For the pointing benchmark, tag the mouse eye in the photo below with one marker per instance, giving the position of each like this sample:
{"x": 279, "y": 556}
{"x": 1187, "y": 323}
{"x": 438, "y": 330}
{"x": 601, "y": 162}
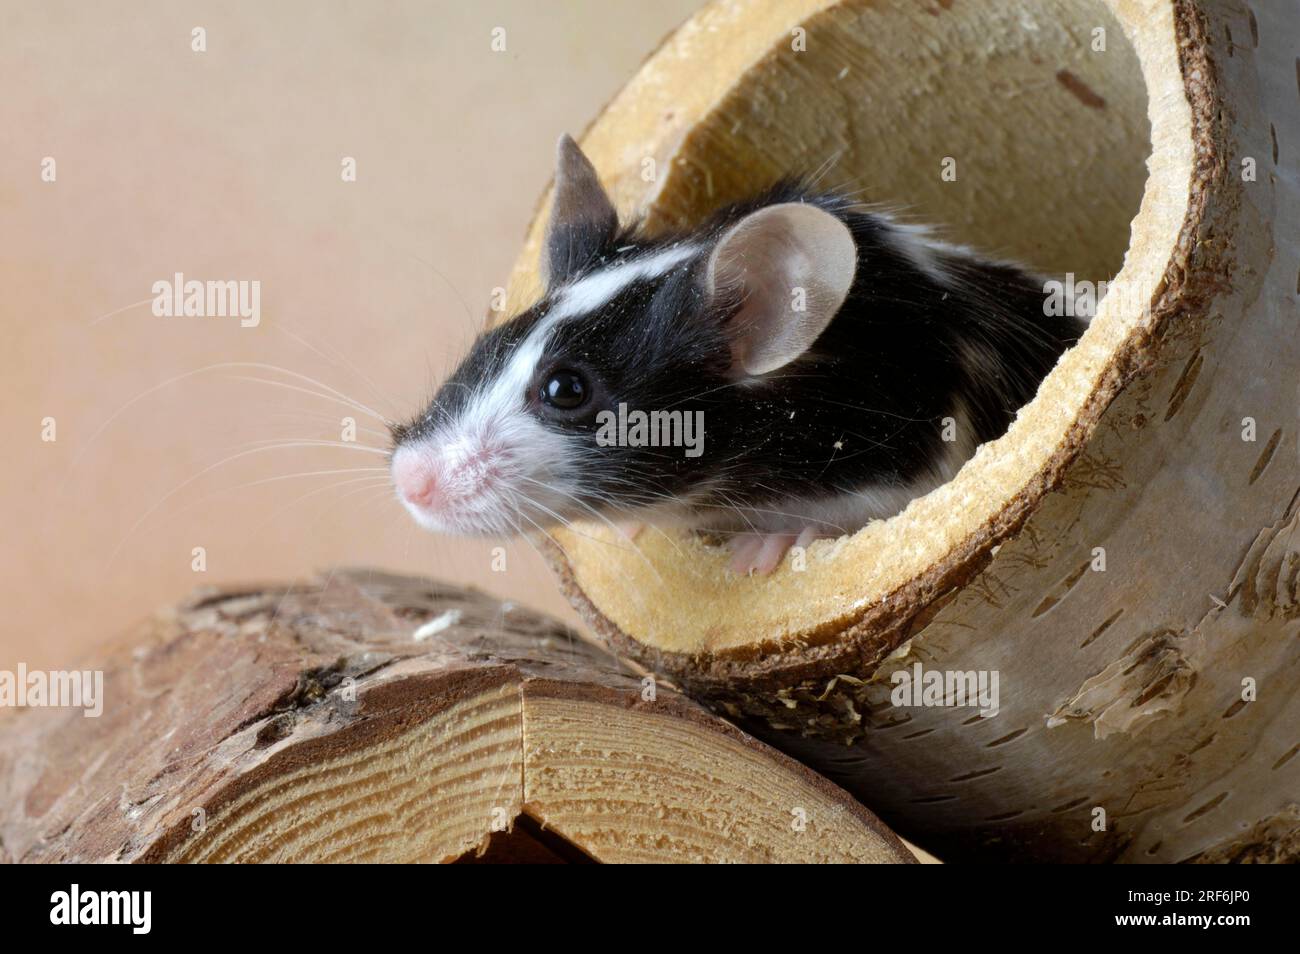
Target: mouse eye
{"x": 565, "y": 390}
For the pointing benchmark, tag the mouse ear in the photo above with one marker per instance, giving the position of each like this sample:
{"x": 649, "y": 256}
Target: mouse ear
{"x": 583, "y": 220}
{"x": 790, "y": 266}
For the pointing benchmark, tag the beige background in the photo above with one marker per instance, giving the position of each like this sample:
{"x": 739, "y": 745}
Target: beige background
{"x": 226, "y": 165}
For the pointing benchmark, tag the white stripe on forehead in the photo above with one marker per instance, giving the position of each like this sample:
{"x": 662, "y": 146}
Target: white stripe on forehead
{"x": 499, "y": 397}
{"x": 599, "y": 288}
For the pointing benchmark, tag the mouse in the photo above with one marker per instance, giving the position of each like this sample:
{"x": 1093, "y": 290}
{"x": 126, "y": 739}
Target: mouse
{"x": 795, "y": 366}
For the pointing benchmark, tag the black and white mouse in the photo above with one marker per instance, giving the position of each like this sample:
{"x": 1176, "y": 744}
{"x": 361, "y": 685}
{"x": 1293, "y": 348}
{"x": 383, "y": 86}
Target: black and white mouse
{"x": 793, "y": 368}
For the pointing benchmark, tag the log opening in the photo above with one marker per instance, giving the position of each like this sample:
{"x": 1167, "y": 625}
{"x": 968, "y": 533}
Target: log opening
{"x": 1042, "y": 108}
{"x": 1127, "y": 557}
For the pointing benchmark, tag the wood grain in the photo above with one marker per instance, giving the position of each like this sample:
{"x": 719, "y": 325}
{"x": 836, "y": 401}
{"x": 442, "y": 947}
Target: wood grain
{"x": 371, "y": 717}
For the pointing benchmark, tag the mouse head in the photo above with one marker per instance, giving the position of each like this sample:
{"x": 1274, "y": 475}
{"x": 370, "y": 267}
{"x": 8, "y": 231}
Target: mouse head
{"x": 622, "y": 392}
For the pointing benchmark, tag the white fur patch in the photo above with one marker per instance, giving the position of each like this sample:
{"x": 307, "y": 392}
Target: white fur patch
{"x": 506, "y": 394}
{"x": 496, "y": 462}
{"x": 918, "y": 245}
{"x": 599, "y": 288}
{"x": 914, "y": 243}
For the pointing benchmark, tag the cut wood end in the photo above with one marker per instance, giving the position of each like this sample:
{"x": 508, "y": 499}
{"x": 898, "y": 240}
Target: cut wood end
{"x": 310, "y": 724}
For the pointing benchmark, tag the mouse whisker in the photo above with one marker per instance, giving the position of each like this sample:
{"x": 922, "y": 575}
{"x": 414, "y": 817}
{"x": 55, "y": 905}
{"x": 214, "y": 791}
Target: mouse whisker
{"x": 323, "y": 442}
{"x": 527, "y": 538}
{"x": 339, "y": 361}
{"x": 595, "y": 512}
{"x": 313, "y": 442}
{"x": 352, "y": 402}
{"x": 206, "y": 470}
{"x": 371, "y": 481}
{"x": 632, "y": 588}
{"x": 346, "y": 402}
{"x": 317, "y": 417}
{"x": 221, "y": 365}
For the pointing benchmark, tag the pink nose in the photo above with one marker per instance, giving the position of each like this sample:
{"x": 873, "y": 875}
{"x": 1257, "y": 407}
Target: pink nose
{"x": 415, "y": 478}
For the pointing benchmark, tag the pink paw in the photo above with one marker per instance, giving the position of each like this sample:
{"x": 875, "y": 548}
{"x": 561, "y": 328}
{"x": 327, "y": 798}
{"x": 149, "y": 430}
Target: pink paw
{"x": 761, "y": 553}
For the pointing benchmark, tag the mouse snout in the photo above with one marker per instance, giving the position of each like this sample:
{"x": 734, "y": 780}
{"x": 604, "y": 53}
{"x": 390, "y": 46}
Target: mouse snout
{"x": 460, "y": 483}
{"x": 416, "y": 477}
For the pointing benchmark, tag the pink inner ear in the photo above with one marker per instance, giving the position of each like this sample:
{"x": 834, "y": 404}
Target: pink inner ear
{"x": 748, "y": 328}
{"x": 767, "y": 257}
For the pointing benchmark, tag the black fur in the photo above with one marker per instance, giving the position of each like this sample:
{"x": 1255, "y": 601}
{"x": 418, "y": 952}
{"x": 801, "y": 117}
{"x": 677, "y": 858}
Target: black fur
{"x": 864, "y": 406}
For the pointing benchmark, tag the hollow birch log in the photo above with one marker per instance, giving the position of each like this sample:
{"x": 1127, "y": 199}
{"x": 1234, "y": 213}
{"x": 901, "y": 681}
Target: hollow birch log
{"x": 1124, "y": 559}
{"x": 370, "y": 717}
